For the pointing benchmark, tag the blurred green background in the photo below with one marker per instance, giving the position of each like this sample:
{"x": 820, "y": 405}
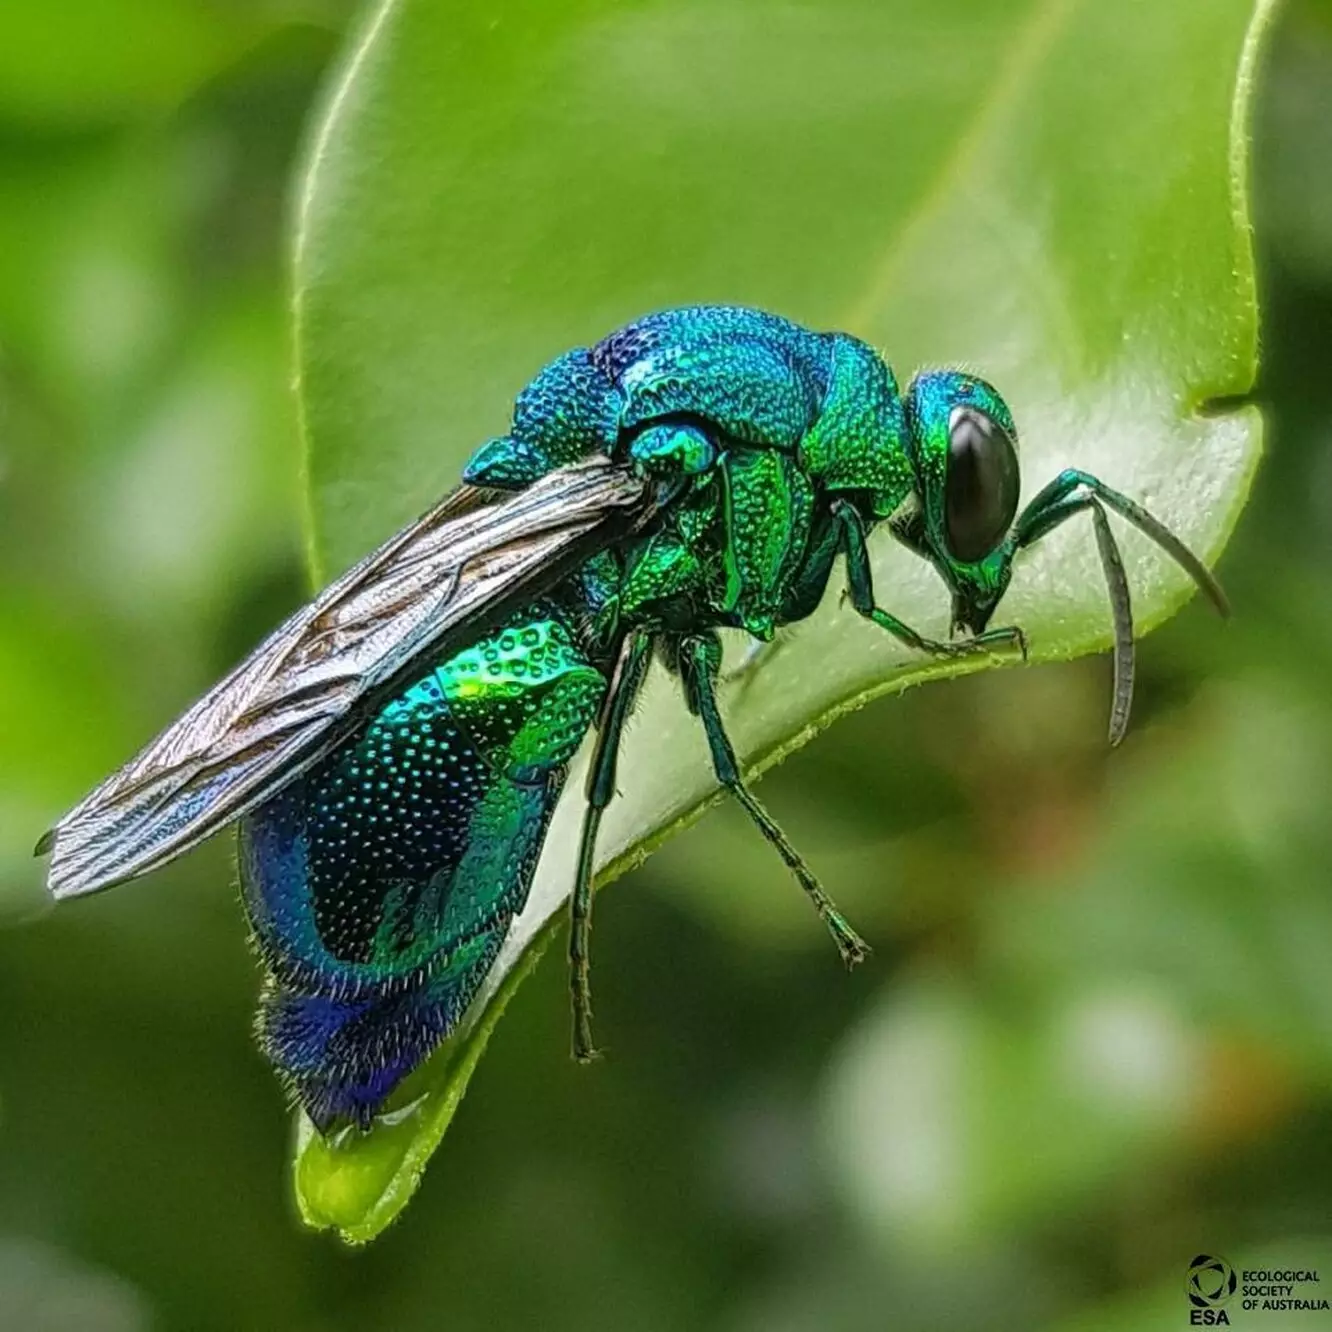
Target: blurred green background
{"x": 1097, "y": 1035}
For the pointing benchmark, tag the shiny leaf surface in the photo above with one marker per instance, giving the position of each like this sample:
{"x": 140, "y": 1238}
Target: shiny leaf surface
{"x": 1053, "y": 193}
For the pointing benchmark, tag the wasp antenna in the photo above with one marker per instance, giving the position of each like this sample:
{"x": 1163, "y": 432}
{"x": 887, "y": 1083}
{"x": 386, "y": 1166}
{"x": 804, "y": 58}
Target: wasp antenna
{"x": 1170, "y": 543}
{"x": 1121, "y": 606}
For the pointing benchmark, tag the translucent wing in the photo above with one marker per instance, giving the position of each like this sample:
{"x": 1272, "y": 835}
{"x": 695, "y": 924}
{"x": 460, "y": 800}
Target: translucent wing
{"x": 281, "y": 708}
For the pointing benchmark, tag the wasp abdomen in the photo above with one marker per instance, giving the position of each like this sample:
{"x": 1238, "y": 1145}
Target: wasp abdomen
{"x": 380, "y": 884}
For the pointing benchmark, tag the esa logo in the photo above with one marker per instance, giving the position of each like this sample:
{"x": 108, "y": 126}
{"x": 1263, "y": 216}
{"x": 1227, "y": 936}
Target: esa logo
{"x": 1211, "y": 1282}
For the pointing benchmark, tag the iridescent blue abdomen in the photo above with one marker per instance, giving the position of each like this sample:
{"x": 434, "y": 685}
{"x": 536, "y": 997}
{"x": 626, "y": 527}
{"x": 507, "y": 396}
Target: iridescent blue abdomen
{"x": 380, "y": 884}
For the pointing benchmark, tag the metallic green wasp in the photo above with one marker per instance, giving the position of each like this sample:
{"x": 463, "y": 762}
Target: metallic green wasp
{"x": 395, "y": 750}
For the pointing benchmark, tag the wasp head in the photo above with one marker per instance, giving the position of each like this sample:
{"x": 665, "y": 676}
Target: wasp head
{"x": 963, "y": 447}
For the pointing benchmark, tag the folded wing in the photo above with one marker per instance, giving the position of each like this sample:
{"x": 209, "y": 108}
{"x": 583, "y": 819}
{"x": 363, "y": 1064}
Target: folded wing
{"x": 290, "y": 700}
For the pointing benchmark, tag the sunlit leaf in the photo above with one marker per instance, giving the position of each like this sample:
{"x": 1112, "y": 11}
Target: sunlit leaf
{"x": 1053, "y": 193}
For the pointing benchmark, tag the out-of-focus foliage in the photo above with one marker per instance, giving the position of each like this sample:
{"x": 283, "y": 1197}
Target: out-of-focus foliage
{"x": 1096, "y": 1038}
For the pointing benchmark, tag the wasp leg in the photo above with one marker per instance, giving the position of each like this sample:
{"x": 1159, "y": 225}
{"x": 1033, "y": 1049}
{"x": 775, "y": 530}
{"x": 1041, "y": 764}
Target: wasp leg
{"x": 1116, "y": 581}
{"x": 861, "y": 587}
{"x": 630, "y": 669}
{"x": 699, "y": 659}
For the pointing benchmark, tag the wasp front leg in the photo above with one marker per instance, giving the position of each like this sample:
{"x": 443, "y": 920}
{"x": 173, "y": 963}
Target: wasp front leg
{"x": 860, "y": 585}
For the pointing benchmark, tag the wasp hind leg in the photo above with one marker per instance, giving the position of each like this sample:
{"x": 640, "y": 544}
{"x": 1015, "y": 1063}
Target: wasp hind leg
{"x": 630, "y": 668}
{"x": 699, "y": 658}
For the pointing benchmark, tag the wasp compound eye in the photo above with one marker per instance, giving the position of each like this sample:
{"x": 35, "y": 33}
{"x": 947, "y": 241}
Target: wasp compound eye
{"x": 981, "y": 491}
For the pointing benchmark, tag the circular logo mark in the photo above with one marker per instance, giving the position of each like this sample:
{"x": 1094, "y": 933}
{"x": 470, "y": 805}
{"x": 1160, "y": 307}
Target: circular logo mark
{"x": 1211, "y": 1282}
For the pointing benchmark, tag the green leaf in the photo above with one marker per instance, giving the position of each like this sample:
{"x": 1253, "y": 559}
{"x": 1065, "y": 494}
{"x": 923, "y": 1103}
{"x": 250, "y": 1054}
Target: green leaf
{"x": 1053, "y": 192}
{"x": 89, "y": 62}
